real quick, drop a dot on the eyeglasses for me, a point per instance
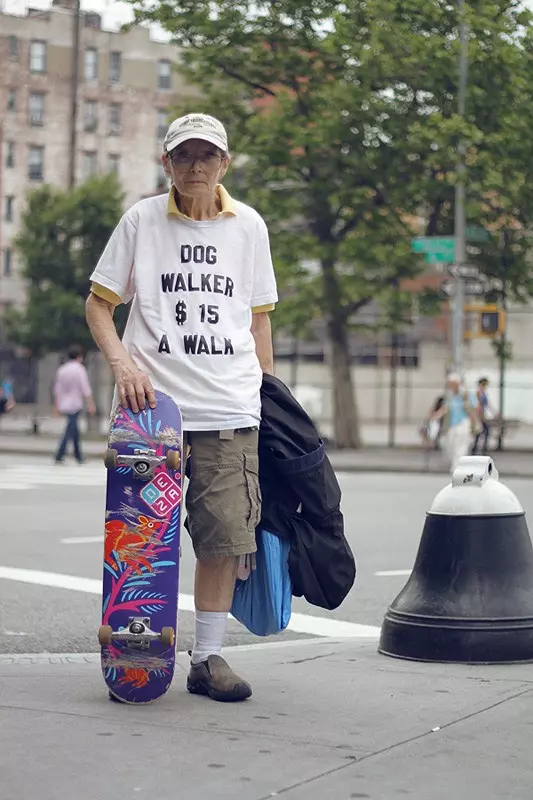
(187, 160)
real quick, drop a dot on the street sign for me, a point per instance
(463, 271)
(437, 249)
(476, 234)
(473, 287)
(447, 289)
(439, 258)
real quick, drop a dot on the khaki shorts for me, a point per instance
(223, 499)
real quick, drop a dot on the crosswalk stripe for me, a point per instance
(299, 623)
(82, 539)
(18, 477)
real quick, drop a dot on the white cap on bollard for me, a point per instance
(476, 490)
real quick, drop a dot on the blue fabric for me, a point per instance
(263, 602)
(458, 413)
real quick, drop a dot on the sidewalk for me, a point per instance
(510, 464)
(374, 434)
(328, 719)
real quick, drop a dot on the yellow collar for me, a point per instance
(229, 207)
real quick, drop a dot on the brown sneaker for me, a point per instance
(215, 678)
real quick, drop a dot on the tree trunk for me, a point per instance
(346, 432)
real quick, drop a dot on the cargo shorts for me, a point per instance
(223, 499)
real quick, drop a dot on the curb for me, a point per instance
(338, 466)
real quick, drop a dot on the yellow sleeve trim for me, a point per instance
(106, 294)
(263, 309)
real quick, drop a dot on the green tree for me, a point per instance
(347, 114)
(61, 238)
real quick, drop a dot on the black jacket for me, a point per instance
(301, 499)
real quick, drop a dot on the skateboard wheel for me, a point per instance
(105, 634)
(168, 636)
(173, 459)
(110, 458)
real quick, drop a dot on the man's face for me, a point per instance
(195, 167)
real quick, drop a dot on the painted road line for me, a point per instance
(82, 539)
(300, 623)
(392, 573)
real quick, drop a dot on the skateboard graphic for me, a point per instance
(141, 551)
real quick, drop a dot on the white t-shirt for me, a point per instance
(193, 285)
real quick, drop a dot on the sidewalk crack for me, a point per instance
(396, 745)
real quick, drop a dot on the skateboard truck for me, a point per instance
(137, 634)
(142, 462)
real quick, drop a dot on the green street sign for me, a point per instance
(440, 258)
(437, 249)
(474, 233)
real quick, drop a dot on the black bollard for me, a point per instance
(469, 598)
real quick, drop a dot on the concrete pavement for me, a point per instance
(328, 719)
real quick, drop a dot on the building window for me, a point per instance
(90, 116)
(8, 215)
(36, 163)
(13, 48)
(36, 108)
(37, 56)
(115, 117)
(162, 123)
(164, 74)
(93, 20)
(90, 64)
(90, 163)
(11, 100)
(8, 261)
(10, 154)
(115, 66)
(113, 163)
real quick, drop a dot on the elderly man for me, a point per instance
(197, 265)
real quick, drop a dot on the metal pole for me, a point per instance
(460, 209)
(503, 359)
(393, 384)
(74, 95)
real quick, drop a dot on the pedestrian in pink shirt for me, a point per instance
(72, 393)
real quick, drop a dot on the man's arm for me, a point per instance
(262, 333)
(134, 387)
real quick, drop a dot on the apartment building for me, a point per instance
(124, 89)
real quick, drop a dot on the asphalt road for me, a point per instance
(41, 506)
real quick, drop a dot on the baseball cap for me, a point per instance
(196, 126)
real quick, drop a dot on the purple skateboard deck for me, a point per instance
(141, 551)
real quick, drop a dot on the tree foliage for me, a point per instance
(61, 238)
(347, 113)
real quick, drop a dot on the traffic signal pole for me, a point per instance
(457, 332)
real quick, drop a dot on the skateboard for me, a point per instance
(141, 551)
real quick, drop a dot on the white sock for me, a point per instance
(209, 630)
